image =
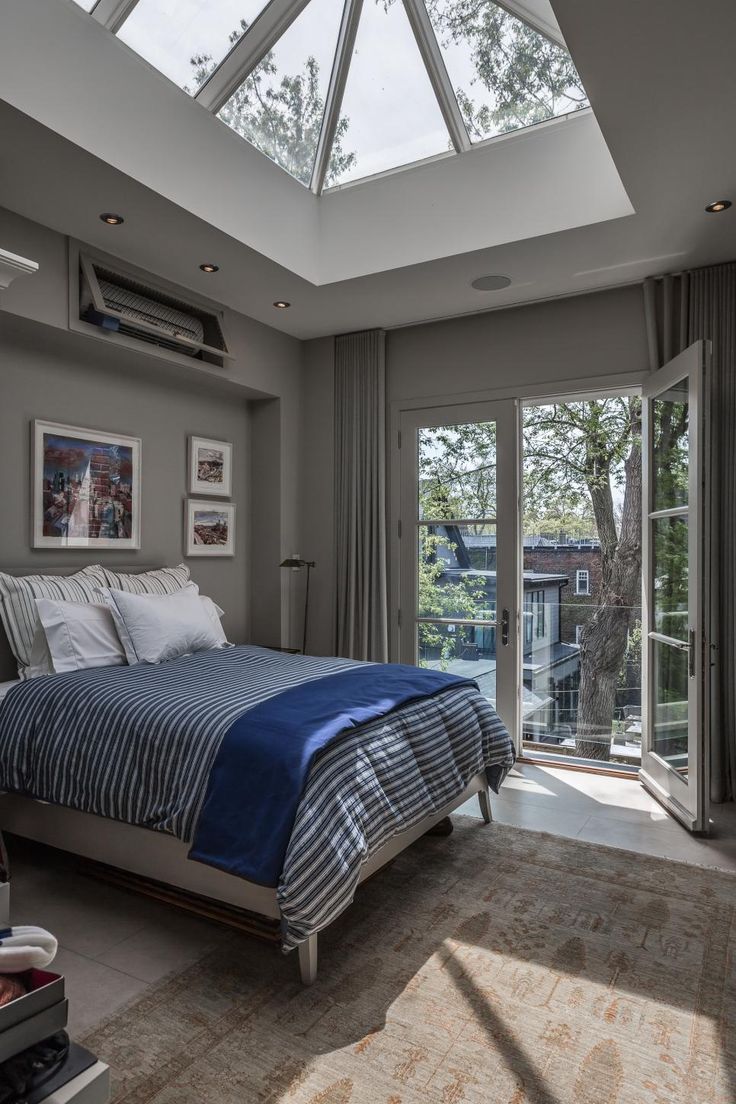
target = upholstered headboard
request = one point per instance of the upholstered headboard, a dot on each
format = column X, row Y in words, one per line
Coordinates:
column 8, row 666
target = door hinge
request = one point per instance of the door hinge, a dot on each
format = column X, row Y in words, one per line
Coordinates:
column 399, row 438
column 398, row 618
column 399, row 528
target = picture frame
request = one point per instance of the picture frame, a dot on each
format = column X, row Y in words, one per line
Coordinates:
column 85, row 488
column 210, row 467
column 209, row 528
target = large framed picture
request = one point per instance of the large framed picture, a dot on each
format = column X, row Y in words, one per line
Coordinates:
column 209, row 528
column 210, row 467
column 86, row 488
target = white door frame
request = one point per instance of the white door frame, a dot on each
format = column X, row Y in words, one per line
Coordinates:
column 687, row 799
column 505, row 413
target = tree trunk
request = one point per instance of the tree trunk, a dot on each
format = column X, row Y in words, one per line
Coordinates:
column 603, row 640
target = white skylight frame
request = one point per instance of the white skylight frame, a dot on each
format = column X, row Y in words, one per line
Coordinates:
column 275, row 19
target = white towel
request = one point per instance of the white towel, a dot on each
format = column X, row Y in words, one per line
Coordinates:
column 26, row 948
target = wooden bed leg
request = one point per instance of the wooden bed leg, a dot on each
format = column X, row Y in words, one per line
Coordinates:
column 308, row 960
column 484, row 800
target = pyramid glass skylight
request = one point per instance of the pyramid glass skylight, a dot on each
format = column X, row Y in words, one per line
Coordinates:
column 335, row 91
column 187, row 39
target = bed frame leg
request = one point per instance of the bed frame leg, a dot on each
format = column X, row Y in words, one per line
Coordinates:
column 308, row 960
column 484, row 800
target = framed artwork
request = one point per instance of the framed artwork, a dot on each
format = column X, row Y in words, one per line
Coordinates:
column 86, row 488
column 210, row 528
column 210, row 467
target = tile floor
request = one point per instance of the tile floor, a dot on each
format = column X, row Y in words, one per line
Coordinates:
column 114, row 944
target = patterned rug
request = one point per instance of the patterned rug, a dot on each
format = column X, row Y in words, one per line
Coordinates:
column 497, row 966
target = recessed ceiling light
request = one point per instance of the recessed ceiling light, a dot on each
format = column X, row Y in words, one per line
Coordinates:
column 111, row 219
column 210, row 267
column 281, row 304
column 491, row 283
column 719, row 205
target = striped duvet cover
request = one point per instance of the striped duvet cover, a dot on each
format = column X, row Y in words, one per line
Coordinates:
column 137, row 744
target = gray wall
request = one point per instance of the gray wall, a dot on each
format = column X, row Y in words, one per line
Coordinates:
column 587, row 338
column 254, row 400
column 57, row 376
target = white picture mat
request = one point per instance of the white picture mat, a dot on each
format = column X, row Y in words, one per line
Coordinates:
column 201, row 486
column 38, row 429
column 193, row 506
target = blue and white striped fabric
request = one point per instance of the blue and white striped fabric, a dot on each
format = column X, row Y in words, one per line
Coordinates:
column 137, row 744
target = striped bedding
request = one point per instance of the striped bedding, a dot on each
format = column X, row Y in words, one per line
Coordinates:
column 137, row 744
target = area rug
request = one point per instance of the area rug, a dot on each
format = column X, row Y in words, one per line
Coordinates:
column 496, row 966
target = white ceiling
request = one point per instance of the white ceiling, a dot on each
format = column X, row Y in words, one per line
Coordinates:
column 662, row 84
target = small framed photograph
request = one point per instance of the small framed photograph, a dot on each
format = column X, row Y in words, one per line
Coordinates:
column 210, row 467
column 86, row 488
column 210, row 528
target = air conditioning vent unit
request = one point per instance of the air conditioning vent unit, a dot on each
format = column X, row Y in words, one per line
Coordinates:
column 121, row 303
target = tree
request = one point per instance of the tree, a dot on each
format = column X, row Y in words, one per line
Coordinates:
column 282, row 117
column 596, row 446
column 529, row 78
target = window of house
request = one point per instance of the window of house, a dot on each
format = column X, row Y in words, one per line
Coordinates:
column 534, row 626
column 582, row 581
column 578, row 633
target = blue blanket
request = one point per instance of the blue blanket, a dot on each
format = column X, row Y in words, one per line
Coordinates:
column 264, row 760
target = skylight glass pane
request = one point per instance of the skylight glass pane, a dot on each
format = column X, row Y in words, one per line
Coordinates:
column 390, row 116
column 187, row 39
column 279, row 107
column 86, row 4
column 506, row 75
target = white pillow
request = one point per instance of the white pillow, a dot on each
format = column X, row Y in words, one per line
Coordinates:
column 18, row 613
column 78, row 636
column 154, row 628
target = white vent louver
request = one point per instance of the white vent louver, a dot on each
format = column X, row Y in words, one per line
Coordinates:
column 124, row 304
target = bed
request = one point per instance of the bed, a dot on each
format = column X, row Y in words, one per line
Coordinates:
column 192, row 773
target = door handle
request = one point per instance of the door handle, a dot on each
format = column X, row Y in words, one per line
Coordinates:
column 505, row 627
column 691, row 654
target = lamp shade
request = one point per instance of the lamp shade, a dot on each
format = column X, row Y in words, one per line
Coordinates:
column 293, row 561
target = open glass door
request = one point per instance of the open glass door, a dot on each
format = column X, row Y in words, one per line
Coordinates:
column 676, row 661
column 458, row 546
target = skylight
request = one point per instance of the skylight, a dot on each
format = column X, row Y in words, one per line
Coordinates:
column 280, row 106
column 389, row 112
column 335, row 91
column 187, row 39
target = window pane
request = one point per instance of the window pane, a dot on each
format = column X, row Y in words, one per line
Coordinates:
column 462, row 650
column 457, row 471
column 457, row 572
column 279, row 107
column 390, row 114
column 670, row 679
column 505, row 74
column 186, row 39
column 86, row 4
column 581, row 615
column 671, row 577
column 671, row 448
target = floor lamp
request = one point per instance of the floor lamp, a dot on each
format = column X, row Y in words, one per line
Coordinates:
column 295, row 562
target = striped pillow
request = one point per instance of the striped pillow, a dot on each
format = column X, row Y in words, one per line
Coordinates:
column 18, row 610
column 166, row 580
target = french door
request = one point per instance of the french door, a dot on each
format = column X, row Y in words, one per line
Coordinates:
column 676, row 652
column 458, row 565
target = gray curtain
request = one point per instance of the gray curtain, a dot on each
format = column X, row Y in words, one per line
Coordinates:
column 360, row 496
column 679, row 310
